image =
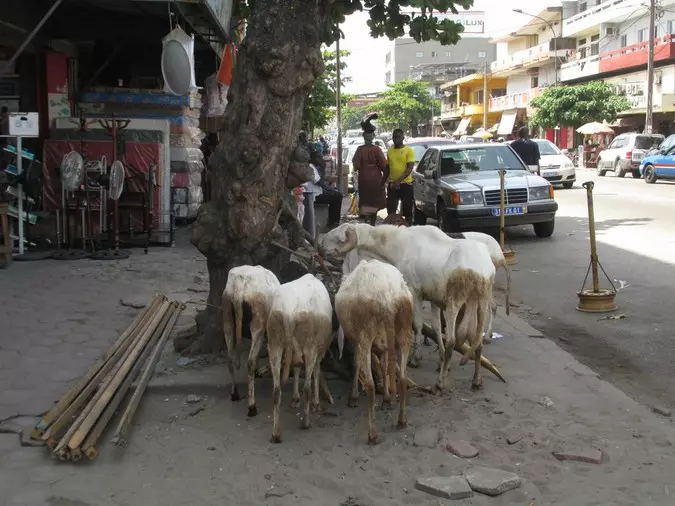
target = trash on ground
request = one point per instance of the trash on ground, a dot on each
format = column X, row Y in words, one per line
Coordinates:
column 620, row 316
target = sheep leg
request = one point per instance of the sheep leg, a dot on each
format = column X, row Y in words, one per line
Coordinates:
column 354, row 397
column 228, row 327
column 323, row 388
column 450, row 337
column 386, row 394
column 295, row 401
column 310, row 366
column 316, row 407
column 404, row 345
column 257, row 335
column 275, row 354
column 370, row 390
column 490, row 321
column 415, row 354
column 436, row 319
column 234, row 393
column 483, row 309
column 377, row 369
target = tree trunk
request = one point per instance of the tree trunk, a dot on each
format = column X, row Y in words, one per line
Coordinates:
column 257, row 163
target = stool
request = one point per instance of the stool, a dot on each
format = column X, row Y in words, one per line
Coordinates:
column 6, row 246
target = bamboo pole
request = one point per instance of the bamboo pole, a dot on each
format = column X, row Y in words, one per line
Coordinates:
column 125, row 420
column 82, row 383
column 88, row 447
column 52, row 432
column 60, row 448
column 109, row 391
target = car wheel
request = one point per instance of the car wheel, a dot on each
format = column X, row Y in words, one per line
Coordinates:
column 636, row 174
column 568, row 184
column 419, row 218
column 544, row 229
column 650, row 174
column 442, row 218
column 601, row 172
column 618, row 170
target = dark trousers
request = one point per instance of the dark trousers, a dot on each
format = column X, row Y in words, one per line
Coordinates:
column 404, row 194
column 334, row 202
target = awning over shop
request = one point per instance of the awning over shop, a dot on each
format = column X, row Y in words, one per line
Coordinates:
column 507, row 122
column 463, row 125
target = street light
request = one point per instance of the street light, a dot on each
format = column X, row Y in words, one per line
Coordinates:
column 555, row 39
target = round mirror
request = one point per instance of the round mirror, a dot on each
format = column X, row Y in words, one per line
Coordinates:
column 176, row 68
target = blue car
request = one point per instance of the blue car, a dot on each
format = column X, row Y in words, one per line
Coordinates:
column 660, row 164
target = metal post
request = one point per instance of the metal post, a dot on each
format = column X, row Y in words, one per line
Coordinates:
column 591, row 232
column 19, row 188
column 29, row 39
column 502, row 199
column 338, row 98
column 650, row 69
column 486, row 103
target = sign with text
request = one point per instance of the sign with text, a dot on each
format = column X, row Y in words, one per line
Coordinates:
column 472, row 21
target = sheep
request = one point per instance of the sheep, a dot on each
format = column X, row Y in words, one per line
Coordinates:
column 375, row 308
column 299, row 330
column 451, row 274
column 247, row 298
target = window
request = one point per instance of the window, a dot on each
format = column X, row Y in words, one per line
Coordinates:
column 595, row 38
column 671, row 27
column 419, row 54
column 623, row 41
column 478, row 97
column 481, row 54
column 656, row 31
column 582, row 52
column 422, row 166
column 583, row 6
column 387, row 58
column 434, row 54
column 498, row 92
column 581, row 42
column 642, row 34
column 448, row 54
column 534, row 82
column 387, row 77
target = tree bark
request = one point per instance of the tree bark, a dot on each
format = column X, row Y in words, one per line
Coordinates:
column 257, row 163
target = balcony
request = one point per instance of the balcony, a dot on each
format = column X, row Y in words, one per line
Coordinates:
column 637, row 54
column 578, row 69
column 609, row 11
column 514, row 101
column 532, row 57
column 461, row 111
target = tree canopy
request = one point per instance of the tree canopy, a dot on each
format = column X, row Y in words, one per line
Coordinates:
column 352, row 116
column 320, row 105
column 573, row 106
column 405, row 104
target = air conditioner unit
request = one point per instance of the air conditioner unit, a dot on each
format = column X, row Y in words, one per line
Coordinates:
column 609, row 31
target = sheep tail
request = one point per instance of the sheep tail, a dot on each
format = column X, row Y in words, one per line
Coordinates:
column 288, row 359
column 340, row 342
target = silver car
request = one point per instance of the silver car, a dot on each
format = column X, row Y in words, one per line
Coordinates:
column 459, row 186
column 625, row 153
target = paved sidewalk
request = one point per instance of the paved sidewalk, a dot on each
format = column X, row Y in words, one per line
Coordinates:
column 58, row 317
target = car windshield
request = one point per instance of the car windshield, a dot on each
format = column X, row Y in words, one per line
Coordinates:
column 648, row 141
column 479, row 158
column 547, row 147
column 420, row 149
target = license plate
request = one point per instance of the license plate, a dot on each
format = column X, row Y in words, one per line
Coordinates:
column 638, row 157
column 509, row 211
column 550, row 173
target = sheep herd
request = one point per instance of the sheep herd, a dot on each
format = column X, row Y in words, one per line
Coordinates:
column 388, row 272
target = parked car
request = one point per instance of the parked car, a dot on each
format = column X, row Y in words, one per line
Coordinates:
column 421, row 144
column 471, row 139
column 660, row 165
column 554, row 166
column 625, row 153
column 459, row 186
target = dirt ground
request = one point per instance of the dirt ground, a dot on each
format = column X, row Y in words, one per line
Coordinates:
column 209, row 452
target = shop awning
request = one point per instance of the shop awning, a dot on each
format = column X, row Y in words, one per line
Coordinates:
column 463, row 125
column 507, row 122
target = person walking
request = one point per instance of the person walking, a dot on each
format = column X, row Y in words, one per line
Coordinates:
column 370, row 164
column 527, row 149
column 400, row 163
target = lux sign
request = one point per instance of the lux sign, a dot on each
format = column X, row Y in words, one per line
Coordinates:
column 472, row 21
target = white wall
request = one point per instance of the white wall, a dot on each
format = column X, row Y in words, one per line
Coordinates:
column 517, row 83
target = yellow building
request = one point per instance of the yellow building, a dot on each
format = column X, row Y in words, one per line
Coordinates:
column 470, row 103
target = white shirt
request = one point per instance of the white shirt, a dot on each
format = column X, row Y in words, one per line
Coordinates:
column 311, row 186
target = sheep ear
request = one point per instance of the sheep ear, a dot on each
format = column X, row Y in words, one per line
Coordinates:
column 351, row 238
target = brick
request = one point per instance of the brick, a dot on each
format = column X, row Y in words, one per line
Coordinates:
column 453, row 488
column 587, row 455
column 462, row 449
column 492, row 482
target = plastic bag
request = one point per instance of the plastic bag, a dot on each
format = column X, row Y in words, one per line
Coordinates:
column 216, row 97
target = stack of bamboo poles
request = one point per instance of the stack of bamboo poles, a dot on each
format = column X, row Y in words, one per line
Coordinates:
column 75, row 424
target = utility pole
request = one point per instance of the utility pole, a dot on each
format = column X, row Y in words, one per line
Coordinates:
column 486, row 97
column 650, row 68
column 338, row 105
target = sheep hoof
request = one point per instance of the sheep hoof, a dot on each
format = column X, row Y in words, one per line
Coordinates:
column 402, row 424
column 315, row 408
column 353, row 402
column 373, row 439
column 235, row 396
column 427, row 342
column 464, row 360
column 295, row 403
column 414, row 361
column 386, row 404
column 438, row 389
column 477, row 385
column 252, row 411
column 275, row 439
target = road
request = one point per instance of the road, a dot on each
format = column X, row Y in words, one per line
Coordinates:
column 636, row 246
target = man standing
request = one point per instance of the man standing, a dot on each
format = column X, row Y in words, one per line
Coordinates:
column 527, row 149
column 400, row 162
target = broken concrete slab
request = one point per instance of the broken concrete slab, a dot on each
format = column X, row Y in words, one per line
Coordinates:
column 426, row 437
column 462, row 449
column 587, row 455
column 453, row 487
column 491, row 482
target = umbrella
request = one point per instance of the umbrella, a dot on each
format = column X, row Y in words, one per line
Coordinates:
column 483, row 134
column 594, row 128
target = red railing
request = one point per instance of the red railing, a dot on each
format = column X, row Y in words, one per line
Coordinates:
column 636, row 54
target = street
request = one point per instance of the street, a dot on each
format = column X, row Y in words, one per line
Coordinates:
column 636, row 241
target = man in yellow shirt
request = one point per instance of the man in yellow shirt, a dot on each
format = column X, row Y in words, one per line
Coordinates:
column 400, row 162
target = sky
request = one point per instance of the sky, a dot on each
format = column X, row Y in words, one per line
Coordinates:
column 365, row 65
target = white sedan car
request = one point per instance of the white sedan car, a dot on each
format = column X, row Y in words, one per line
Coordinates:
column 554, row 166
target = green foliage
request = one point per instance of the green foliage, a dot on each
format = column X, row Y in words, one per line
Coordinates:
column 405, row 104
column 352, row 116
column 320, row 105
column 573, row 106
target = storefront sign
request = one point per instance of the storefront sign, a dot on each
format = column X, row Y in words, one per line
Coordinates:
column 634, row 92
column 472, row 21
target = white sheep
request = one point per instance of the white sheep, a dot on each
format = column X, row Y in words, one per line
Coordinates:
column 299, row 330
column 375, row 309
column 447, row 272
column 247, row 297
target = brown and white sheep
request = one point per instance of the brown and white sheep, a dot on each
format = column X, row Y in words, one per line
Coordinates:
column 375, row 309
column 299, row 331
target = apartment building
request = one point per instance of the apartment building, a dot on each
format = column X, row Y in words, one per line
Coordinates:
column 534, row 53
column 611, row 44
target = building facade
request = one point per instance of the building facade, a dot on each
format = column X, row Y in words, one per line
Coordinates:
column 611, row 44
